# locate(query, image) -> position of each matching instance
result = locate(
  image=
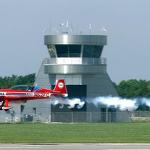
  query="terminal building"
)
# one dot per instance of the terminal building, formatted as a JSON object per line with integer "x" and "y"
{"x": 77, "y": 59}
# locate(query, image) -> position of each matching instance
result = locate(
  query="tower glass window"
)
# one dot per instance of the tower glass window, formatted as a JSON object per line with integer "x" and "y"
{"x": 92, "y": 51}
{"x": 68, "y": 50}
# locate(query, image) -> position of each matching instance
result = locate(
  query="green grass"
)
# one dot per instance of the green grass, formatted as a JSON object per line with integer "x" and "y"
{"x": 75, "y": 133}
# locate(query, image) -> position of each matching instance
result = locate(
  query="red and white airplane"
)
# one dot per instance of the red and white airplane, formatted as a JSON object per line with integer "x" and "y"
{"x": 30, "y": 93}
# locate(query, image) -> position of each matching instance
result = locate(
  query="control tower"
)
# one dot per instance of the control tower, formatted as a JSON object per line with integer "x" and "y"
{"x": 77, "y": 59}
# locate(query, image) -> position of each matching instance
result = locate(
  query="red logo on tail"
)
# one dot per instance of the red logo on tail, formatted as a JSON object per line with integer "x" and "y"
{"x": 60, "y": 87}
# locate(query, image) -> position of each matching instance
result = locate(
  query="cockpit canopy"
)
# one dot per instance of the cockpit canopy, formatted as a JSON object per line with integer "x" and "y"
{"x": 22, "y": 87}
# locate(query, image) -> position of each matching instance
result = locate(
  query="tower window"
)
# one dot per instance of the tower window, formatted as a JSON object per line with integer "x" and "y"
{"x": 68, "y": 50}
{"x": 93, "y": 51}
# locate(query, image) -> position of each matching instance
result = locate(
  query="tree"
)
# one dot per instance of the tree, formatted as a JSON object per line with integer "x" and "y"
{"x": 133, "y": 88}
{"x": 8, "y": 81}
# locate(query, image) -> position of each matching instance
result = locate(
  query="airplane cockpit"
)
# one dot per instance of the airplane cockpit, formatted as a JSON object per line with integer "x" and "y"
{"x": 25, "y": 87}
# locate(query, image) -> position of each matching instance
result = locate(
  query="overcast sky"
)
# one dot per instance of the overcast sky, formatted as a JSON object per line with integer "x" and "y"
{"x": 23, "y": 24}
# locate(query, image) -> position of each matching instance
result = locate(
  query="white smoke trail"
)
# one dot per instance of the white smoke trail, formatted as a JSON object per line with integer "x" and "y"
{"x": 120, "y": 103}
{"x": 70, "y": 103}
{"x": 117, "y": 102}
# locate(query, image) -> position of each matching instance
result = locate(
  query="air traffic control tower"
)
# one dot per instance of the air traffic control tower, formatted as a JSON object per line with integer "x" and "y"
{"x": 77, "y": 59}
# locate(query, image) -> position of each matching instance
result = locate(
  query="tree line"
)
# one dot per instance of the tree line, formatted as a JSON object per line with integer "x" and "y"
{"x": 133, "y": 88}
{"x": 9, "y": 81}
{"x": 126, "y": 88}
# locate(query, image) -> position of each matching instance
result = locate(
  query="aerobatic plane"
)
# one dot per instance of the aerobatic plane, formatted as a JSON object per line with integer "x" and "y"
{"x": 24, "y": 93}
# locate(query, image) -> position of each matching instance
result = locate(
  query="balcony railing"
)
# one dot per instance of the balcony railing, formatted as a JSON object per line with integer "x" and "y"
{"x": 75, "y": 60}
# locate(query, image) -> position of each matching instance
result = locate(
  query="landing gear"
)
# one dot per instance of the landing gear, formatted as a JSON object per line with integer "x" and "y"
{"x": 1, "y": 104}
{"x": 4, "y": 105}
{"x": 6, "y": 110}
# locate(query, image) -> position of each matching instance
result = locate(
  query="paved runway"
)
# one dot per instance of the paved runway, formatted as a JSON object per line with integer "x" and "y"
{"x": 75, "y": 147}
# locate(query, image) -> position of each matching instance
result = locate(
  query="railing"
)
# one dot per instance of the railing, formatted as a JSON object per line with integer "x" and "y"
{"x": 75, "y": 60}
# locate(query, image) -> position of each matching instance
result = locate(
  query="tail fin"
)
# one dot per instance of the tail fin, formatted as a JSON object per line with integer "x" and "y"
{"x": 60, "y": 88}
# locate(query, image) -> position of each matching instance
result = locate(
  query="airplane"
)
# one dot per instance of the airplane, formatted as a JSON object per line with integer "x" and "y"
{"x": 19, "y": 93}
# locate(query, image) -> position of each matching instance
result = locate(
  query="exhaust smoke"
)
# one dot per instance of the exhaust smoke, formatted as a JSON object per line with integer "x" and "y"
{"x": 121, "y": 103}
{"x": 117, "y": 102}
{"x": 108, "y": 101}
{"x": 70, "y": 103}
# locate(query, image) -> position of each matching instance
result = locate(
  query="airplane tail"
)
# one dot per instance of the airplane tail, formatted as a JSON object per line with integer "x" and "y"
{"x": 60, "y": 88}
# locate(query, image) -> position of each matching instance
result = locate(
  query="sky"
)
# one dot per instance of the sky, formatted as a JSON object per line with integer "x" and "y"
{"x": 23, "y": 24}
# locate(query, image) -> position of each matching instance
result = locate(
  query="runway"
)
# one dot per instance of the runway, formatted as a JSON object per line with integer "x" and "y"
{"x": 75, "y": 146}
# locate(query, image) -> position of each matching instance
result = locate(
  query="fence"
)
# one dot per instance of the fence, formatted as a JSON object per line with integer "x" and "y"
{"x": 74, "y": 117}
{"x": 90, "y": 117}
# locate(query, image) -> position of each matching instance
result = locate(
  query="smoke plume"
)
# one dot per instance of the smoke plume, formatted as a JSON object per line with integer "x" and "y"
{"x": 117, "y": 102}
{"x": 120, "y": 103}
{"x": 70, "y": 103}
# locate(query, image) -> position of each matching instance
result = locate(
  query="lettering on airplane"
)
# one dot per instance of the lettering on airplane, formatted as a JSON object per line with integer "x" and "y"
{"x": 2, "y": 93}
{"x": 42, "y": 94}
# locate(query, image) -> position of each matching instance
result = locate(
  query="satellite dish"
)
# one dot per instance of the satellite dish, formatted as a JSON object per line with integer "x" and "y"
{"x": 104, "y": 29}
{"x": 62, "y": 24}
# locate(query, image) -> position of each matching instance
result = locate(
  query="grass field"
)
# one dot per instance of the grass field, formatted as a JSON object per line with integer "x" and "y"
{"x": 75, "y": 133}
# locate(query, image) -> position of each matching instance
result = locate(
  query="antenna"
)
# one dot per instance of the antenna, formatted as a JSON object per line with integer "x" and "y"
{"x": 90, "y": 28}
{"x": 67, "y": 24}
{"x": 61, "y": 25}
